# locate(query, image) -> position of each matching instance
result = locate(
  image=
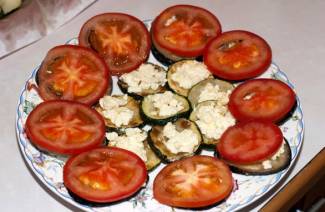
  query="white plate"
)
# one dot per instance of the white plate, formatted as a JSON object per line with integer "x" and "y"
{"x": 248, "y": 189}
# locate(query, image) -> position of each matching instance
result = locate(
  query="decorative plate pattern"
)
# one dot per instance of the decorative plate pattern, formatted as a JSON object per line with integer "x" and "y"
{"x": 48, "y": 168}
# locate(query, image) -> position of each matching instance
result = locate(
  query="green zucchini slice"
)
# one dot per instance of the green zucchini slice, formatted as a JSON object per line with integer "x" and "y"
{"x": 225, "y": 118}
{"x": 195, "y": 94}
{"x": 132, "y": 105}
{"x": 174, "y": 85}
{"x": 152, "y": 159}
{"x": 151, "y": 114}
{"x": 125, "y": 88}
{"x": 158, "y": 141}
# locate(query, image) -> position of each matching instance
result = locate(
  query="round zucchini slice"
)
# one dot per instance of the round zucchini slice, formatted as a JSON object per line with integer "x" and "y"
{"x": 179, "y": 66}
{"x": 132, "y": 105}
{"x": 281, "y": 162}
{"x": 151, "y": 110}
{"x": 152, "y": 159}
{"x": 221, "y": 119}
{"x": 196, "y": 95}
{"x": 158, "y": 140}
{"x": 143, "y": 76}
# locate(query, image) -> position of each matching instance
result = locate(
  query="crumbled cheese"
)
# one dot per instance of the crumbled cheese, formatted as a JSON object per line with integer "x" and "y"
{"x": 213, "y": 92}
{"x": 145, "y": 77}
{"x": 267, "y": 164}
{"x": 110, "y": 102}
{"x": 114, "y": 110}
{"x": 165, "y": 104}
{"x": 249, "y": 96}
{"x": 170, "y": 20}
{"x": 132, "y": 141}
{"x": 184, "y": 141}
{"x": 190, "y": 73}
{"x": 214, "y": 119}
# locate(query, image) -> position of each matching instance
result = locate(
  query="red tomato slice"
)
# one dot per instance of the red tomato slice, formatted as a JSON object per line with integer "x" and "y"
{"x": 261, "y": 99}
{"x": 184, "y": 30}
{"x": 65, "y": 127}
{"x": 104, "y": 174}
{"x": 193, "y": 182}
{"x": 73, "y": 73}
{"x": 250, "y": 142}
{"x": 237, "y": 55}
{"x": 122, "y": 40}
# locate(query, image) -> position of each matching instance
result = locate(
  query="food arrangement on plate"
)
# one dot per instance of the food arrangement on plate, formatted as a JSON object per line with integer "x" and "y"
{"x": 190, "y": 121}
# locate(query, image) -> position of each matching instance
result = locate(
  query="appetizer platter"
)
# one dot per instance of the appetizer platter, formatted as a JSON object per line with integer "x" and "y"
{"x": 163, "y": 114}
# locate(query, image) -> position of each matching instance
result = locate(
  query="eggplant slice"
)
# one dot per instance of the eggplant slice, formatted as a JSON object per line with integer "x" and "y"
{"x": 160, "y": 57}
{"x": 196, "y": 90}
{"x": 168, "y": 58}
{"x": 156, "y": 141}
{"x": 279, "y": 164}
{"x": 148, "y": 111}
{"x": 175, "y": 85}
{"x": 289, "y": 115}
{"x": 133, "y": 105}
{"x": 138, "y": 96}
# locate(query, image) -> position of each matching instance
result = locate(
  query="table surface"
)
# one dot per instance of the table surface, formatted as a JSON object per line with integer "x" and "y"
{"x": 294, "y": 29}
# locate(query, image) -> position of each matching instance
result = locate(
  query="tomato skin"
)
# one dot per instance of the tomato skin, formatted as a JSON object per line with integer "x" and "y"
{"x": 42, "y": 122}
{"x": 250, "y": 142}
{"x": 261, "y": 99}
{"x": 173, "y": 189}
{"x": 249, "y": 55}
{"x": 126, "y": 66}
{"x": 102, "y": 164}
{"x": 49, "y": 80}
{"x": 174, "y": 50}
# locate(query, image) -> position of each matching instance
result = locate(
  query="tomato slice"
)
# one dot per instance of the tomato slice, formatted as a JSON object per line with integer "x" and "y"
{"x": 261, "y": 99}
{"x": 73, "y": 73}
{"x": 184, "y": 30}
{"x": 104, "y": 174}
{"x": 193, "y": 182}
{"x": 122, "y": 40}
{"x": 237, "y": 55}
{"x": 250, "y": 142}
{"x": 65, "y": 127}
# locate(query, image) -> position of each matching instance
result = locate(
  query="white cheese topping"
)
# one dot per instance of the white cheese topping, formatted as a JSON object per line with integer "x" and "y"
{"x": 145, "y": 77}
{"x": 114, "y": 110}
{"x": 214, "y": 119}
{"x": 190, "y": 73}
{"x": 184, "y": 141}
{"x": 213, "y": 92}
{"x": 170, "y": 20}
{"x": 165, "y": 104}
{"x": 132, "y": 141}
{"x": 267, "y": 163}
